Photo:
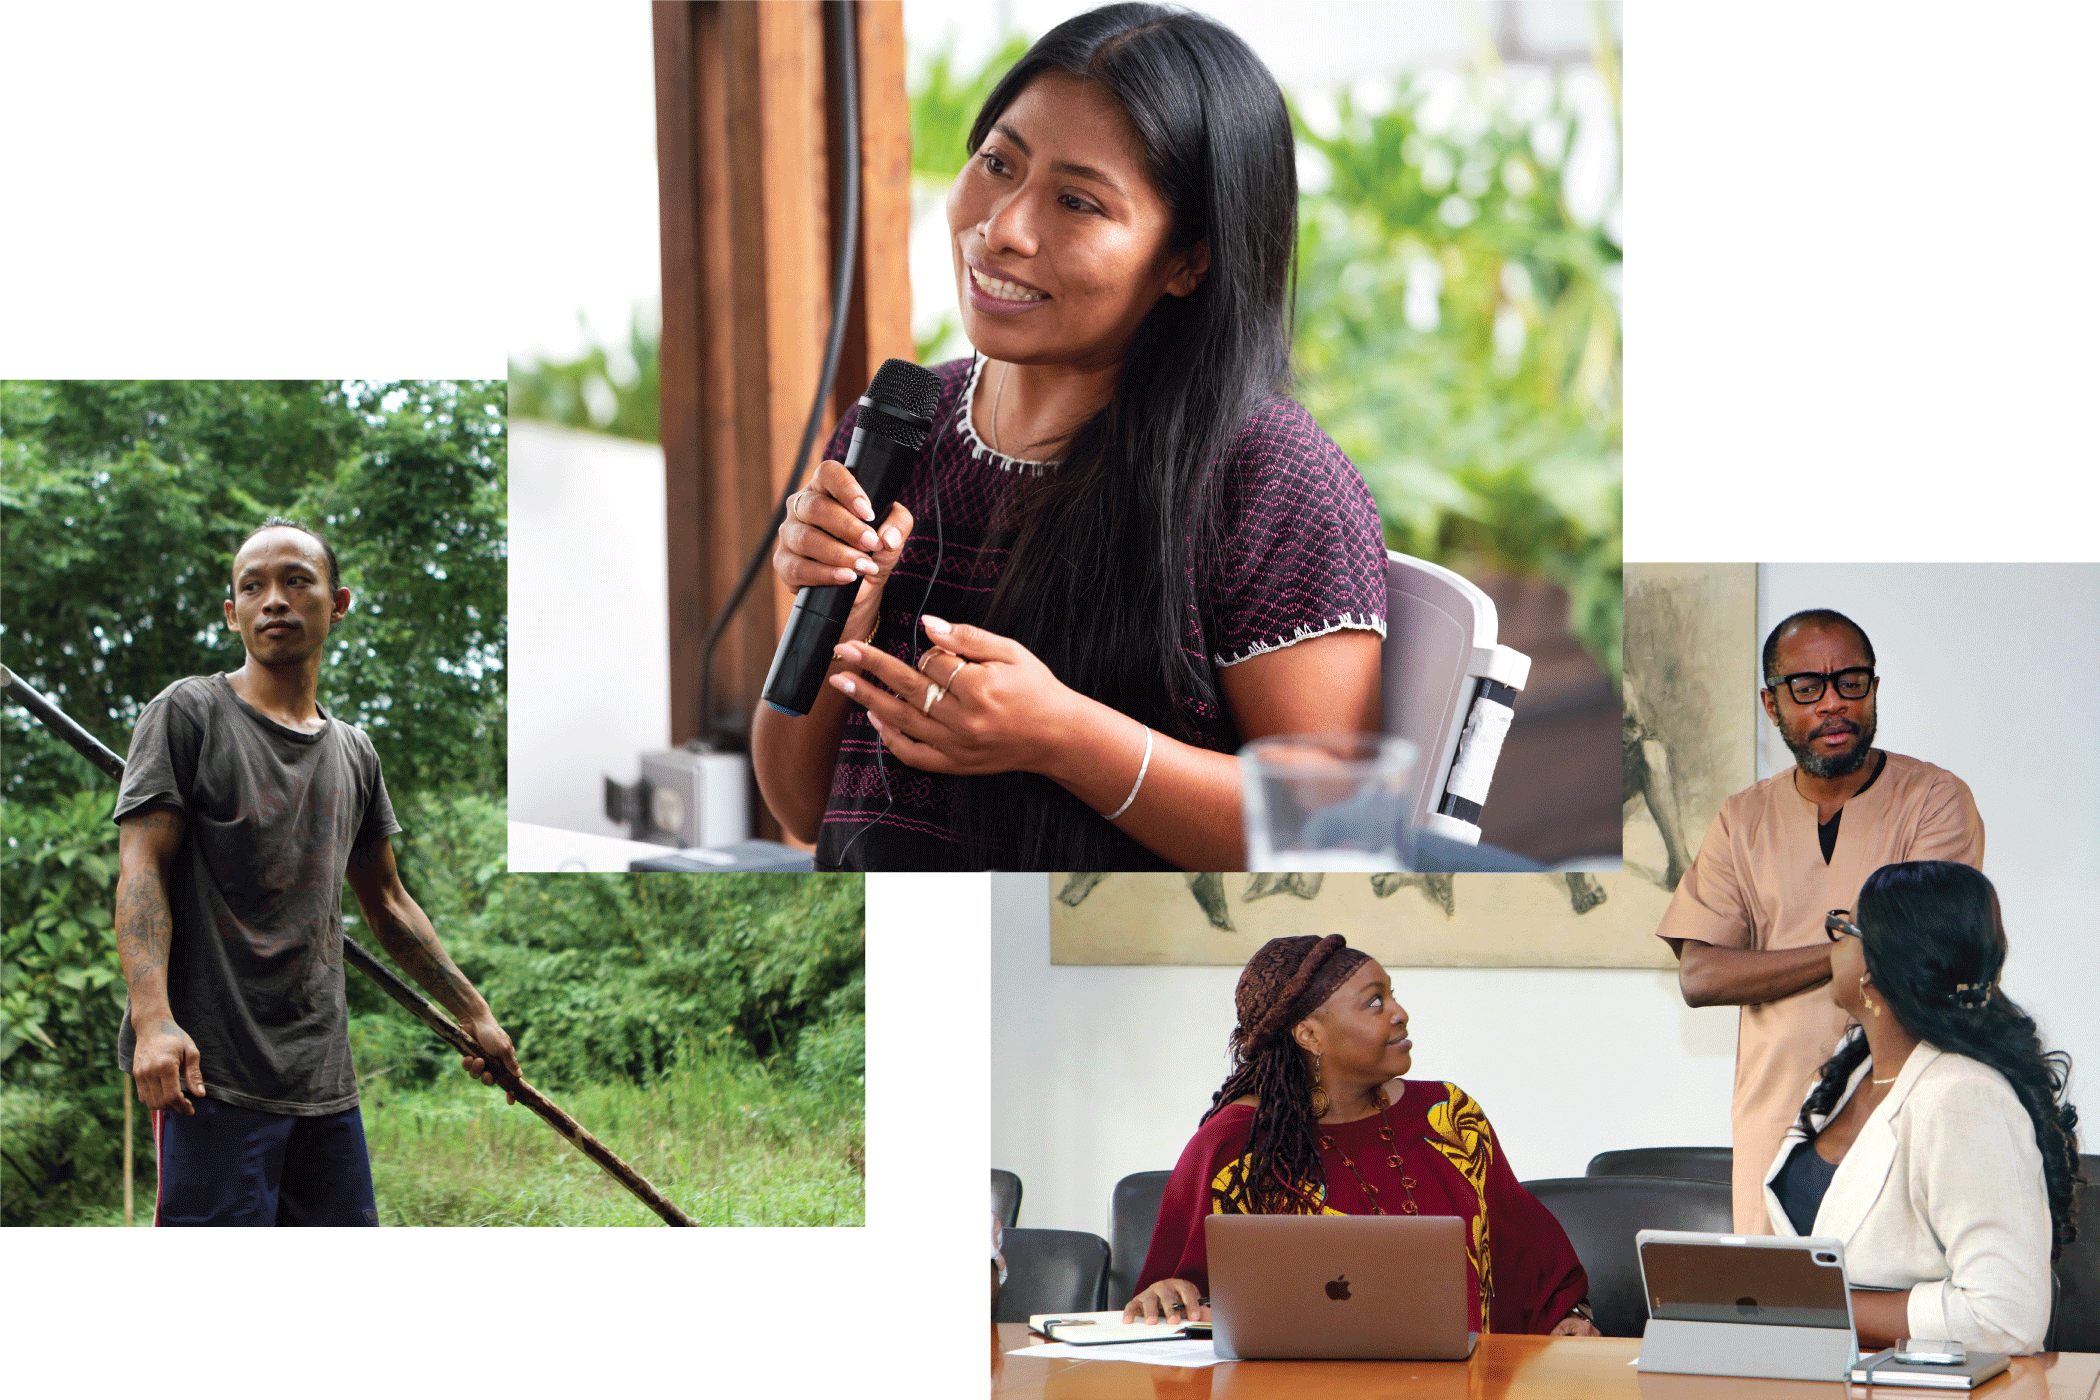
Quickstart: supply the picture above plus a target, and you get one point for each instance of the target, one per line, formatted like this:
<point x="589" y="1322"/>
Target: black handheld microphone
<point x="896" y="418"/>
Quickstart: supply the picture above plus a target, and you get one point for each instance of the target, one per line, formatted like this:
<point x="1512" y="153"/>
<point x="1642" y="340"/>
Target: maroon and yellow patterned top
<point x="1525" y="1272"/>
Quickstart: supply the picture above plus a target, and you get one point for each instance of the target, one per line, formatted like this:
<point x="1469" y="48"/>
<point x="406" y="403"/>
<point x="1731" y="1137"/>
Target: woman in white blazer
<point x="1936" y="1143"/>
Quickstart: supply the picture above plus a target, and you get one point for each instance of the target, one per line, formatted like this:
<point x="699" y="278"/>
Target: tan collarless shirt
<point x="1760" y="882"/>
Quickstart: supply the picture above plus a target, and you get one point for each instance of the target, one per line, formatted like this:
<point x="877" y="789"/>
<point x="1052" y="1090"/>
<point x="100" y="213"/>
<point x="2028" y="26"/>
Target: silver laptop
<point x="1329" y="1287"/>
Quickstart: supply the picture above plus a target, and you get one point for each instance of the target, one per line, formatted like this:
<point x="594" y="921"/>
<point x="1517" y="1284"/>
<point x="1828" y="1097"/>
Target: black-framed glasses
<point x="1806" y="687"/>
<point x="1838" y="924"/>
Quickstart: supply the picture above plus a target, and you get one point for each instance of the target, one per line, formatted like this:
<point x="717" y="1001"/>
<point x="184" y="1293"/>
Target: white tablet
<point x="1746" y="1305"/>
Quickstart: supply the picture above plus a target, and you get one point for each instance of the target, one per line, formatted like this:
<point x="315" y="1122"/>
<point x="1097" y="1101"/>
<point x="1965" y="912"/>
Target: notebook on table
<point x="1973" y="1370"/>
<point x="1336" y="1287"/>
<point x="1091" y="1329"/>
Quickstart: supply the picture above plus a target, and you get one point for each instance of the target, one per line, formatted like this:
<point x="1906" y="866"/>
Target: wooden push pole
<point x="99" y="754"/>
<point x="524" y="1093"/>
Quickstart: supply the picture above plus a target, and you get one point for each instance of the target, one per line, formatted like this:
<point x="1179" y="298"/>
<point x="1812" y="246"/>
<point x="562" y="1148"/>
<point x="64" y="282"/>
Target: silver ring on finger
<point x="933" y="697"/>
<point x="960" y="662"/>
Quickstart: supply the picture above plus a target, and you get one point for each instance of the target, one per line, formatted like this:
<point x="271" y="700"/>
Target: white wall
<point x="1102" y="1071"/>
<point x="590" y="673"/>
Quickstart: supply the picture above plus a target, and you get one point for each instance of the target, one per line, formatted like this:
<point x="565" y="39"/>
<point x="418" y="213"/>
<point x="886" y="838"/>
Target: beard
<point x="1830" y="765"/>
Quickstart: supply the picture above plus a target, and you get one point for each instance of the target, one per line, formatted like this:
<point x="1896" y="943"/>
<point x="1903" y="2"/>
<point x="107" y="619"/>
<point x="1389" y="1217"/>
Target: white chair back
<point x="1450" y="689"/>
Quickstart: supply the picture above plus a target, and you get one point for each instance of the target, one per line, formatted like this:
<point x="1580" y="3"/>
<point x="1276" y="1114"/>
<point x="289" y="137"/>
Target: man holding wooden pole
<point x="244" y="806"/>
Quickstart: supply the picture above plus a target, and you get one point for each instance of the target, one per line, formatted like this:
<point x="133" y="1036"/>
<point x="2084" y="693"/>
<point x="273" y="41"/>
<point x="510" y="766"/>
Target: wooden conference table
<point x="1502" y="1368"/>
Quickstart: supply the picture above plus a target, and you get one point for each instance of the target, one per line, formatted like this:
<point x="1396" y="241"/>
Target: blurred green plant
<point x="1458" y="336"/>
<point x="944" y="104"/>
<point x="603" y="390"/>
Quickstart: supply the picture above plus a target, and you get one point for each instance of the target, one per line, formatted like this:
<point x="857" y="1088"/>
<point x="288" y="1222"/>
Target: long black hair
<point x="1935" y="944"/>
<point x="1282" y="1156"/>
<point x="1101" y="580"/>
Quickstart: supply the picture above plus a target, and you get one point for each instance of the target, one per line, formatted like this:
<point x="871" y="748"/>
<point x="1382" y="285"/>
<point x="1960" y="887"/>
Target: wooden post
<point x="748" y="191"/>
<point x="129" y="1095"/>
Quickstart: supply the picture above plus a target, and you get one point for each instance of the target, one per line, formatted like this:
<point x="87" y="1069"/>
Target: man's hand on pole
<point x="492" y="1039"/>
<point x="164" y="1064"/>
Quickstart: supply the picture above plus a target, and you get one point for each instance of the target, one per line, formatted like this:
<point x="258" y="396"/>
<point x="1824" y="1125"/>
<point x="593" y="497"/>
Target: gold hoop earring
<point x="1319" y="1090"/>
<point x="1864" y="997"/>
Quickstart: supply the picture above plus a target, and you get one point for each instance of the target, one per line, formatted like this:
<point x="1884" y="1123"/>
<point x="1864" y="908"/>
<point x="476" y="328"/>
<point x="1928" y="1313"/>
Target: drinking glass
<point x="1328" y="802"/>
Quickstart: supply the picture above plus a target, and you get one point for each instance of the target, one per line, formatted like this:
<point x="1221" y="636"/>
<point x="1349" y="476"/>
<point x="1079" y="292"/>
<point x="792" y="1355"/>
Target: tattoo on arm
<point x="424" y="959"/>
<point x="143" y="926"/>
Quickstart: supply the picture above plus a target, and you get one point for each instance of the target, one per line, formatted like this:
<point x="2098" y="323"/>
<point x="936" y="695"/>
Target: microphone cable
<point x="842" y="13"/>
<point x="940" y="550"/>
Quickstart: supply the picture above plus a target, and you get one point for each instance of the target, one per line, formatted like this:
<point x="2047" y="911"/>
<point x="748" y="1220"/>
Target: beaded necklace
<point x="1392" y="1157"/>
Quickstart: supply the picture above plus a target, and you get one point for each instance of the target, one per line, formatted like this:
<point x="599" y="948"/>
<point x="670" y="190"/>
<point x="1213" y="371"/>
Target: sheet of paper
<point x="1183" y="1353"/>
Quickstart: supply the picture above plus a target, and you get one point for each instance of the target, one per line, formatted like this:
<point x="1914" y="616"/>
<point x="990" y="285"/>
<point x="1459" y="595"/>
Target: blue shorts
<point x="224" y="1165"/>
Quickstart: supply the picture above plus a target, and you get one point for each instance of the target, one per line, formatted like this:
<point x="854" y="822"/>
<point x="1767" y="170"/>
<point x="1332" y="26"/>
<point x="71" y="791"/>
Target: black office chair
<point x="1132" y="1212"/>
<point x="2075" y="1325"/>
<point x="1601" y="1215"/>
<point x="1006" y="1197"/>
<point x="1683" y="1163"/>
<point x="1051" y="1271"/>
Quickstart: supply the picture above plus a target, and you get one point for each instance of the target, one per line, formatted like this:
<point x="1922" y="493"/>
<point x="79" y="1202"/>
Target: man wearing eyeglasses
<point x="1747" y="920"/>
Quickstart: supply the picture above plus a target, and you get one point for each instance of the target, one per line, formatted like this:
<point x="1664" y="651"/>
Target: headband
<point x="1286" y="980"/>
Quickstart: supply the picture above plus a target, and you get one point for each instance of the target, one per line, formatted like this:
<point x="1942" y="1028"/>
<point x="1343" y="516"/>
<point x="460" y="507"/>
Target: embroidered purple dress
<point x="1304" y="556"/>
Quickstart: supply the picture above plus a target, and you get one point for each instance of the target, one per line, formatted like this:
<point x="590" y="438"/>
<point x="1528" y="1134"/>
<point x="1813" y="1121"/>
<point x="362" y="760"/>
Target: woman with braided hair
<point x="1315" y="1120"/>
<point x="1936" y="1143"/>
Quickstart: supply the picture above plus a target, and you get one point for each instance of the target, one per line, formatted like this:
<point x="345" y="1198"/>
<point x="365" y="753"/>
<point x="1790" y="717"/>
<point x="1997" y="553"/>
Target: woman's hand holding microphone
<point x="830" y="536"/>
<point x="978" y="702"/>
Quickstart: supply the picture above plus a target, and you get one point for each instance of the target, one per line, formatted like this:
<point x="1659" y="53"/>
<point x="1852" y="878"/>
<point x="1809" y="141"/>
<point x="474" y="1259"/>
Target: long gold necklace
<point x="1392" y="1157"/>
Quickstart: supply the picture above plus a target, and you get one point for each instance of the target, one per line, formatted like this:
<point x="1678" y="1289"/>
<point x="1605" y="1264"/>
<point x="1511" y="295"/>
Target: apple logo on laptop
<point x="1339" y="1289"/>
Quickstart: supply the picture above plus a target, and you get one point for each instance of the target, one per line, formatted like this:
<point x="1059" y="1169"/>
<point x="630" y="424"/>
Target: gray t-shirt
<point x="270" y="817"/>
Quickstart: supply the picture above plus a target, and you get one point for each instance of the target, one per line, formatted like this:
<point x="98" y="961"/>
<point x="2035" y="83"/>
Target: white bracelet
<point x="1140" y="779"/>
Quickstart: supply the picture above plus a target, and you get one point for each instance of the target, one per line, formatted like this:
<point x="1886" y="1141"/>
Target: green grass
<point x="727" y="1142"/>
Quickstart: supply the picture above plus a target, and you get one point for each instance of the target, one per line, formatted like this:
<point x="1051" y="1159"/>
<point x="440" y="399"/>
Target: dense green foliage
<point x="121" y="505"/>
<point x="61" y="994"/>
<point x="639" y="980"/>
<point x="614" y="977"/>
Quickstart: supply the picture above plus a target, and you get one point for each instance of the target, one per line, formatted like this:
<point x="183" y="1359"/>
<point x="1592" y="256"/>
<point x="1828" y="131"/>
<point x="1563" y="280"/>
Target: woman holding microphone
<point x="1123" y="553"/>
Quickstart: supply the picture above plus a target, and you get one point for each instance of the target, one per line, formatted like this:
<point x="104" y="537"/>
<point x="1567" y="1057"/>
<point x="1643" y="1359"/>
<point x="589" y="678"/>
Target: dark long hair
<point x="1283" y="1143"/>
<point x="1101" y="581"/>
<point x="1935" y="944"/>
